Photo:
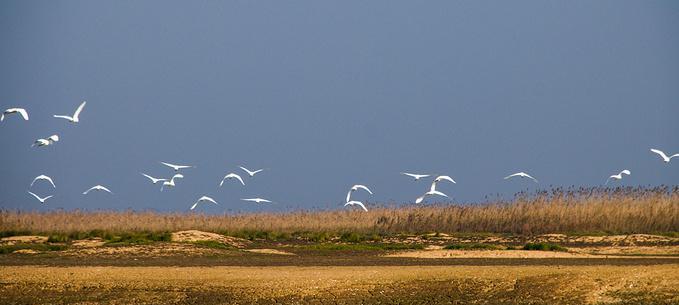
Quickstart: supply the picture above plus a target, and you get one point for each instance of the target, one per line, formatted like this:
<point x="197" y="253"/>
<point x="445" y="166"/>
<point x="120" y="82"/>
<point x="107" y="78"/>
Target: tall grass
<point x="620" y="210"/>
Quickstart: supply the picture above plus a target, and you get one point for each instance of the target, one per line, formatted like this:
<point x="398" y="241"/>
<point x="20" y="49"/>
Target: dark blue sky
<point x="328" y="94"/>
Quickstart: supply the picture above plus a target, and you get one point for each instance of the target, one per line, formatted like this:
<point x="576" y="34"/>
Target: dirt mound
<point x="195" y="235"/>
<point x="270" y="251"/>
<point x="26" y="251"/>
<point x="88" y="243"/>
<point x="27" y="239"/>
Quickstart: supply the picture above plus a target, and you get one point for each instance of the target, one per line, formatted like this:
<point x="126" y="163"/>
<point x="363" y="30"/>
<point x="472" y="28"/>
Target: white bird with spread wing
<point x="171" y="182"/>
<point x="522" y="175"/>
<point x="432" y="190"/>
<point x="618" y="176"/>
<point x="257" y="200"/>
<point x="358" y="203"/>
<point x="175" y="166"/>
<point x="662" y="155"/>
<point x="356" y="188"/>
<point x="42" y="200"/>
<point x="203" y="199"/>
<point x="416" y="176"/>
<point x="76" y="116"/>
<point x="9" y="111"/>
<point x="232" y="176"/>
<point x="43" y="177"/>
<point x="46" y="142"/>
<point x="153" y="180"/>
<point x="97" y="187"/>
<point x="249" y="172"/>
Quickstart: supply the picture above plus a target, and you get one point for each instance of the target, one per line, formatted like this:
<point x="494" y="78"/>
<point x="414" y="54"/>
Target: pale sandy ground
<point x="316" y="285"/>
<point x="584" y="253"/>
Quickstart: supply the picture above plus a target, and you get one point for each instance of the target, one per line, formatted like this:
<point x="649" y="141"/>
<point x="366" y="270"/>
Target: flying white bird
<point x="176" y="167"/>
<point x="251" y="173"/>
<point x="618" y="176"/>
<point x="76" y="115"/>
<point x="43" y="177"/>
<point x="358" y="203"/>
<point x="522" y="175"/>
<point x="663" y="155"/>
<point x="257" y="200"/>
<point x="430" y="193"/>
<point x="416" y="176"/>
<point x="153" y="180"/>
<point x="202" y="199"/>
<point x="42" y="200"/>
<point x="441" y="178"/>
<point x="21" y="111"/>
<point x="355" y="188"/>
<point x="171" y="182"/>
<point x="232" y="176"/>
<point x="97" y="188"/>
<point x="45" y="142"/>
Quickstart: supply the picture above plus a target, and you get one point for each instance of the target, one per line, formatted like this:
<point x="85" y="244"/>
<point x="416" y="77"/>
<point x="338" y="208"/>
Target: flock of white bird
<point x="171" y="182"/>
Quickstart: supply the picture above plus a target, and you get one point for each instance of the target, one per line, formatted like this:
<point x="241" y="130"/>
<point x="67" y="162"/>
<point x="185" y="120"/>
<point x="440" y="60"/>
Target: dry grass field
<point x="585" y="246"/>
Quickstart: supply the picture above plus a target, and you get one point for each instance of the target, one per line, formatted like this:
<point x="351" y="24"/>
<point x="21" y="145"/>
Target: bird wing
<point x="257" y="171"/>
<point x="23" y="113"/>
<point x="439" y="193"/>
<point x="626" y="172"/>
<point x="447" y="178"/>
<point x="194" y="205"/>
<point x="236" y="176"/>
<point x="349" y="195"/>
<point x="247" y="171"/>
<point x="147" y="176"/>
<point x="170" y="165"/>
<point x="48" y="197"/>
<point x="88" y="190"/>
<point x="53" y="138"/>
<point x="512" y="175"/>
<point x="50" y="180"/>
<point x="63" y="117"/>
<point x="103" y="188"/>
<point x="264" y="200"/>
<point x="36" y="196"/>
<point x="675" y="155"/>
<point x="420" y="199"/>
<point x="360" y="186"/>
<point x="531" y="177"/>
<point x="77" y="111"/>
<point x="249" y="199"/>
<point x="659" y="152"/>
<point x="363" y="206"/>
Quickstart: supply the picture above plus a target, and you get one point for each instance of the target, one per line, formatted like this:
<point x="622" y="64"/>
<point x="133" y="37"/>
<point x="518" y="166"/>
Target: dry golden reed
<point x="620" y="210"/>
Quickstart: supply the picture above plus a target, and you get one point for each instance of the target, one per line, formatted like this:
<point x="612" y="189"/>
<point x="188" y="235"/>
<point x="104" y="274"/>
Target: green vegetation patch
<point x="37" y="247"/>
<point x="472" y="246"/>
<point x="544" y="247"/>
<point x="136" y="238"/>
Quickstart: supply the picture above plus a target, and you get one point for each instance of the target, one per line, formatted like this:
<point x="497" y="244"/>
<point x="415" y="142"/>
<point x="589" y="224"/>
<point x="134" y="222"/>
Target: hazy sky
<point x="328" y="94"/>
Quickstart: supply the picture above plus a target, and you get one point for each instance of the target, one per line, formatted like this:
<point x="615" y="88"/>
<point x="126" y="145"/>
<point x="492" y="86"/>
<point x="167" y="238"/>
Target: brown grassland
<point x="566" y="246"/>
<point x="584" y="210"/>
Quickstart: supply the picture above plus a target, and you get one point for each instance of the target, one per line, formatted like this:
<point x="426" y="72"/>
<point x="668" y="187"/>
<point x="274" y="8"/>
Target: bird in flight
<point x="42" y="200"/>
<point x="356" y="188"/>
<point x="45" y="142"/>
<point x="232" y="176"/>
<point x="153" y="180"/>
<point x="171" y="182"/>
<point x="416" y="176"/>
<point x="97" y="188"/>
<point x="176" y="167"/>
<point x="21" y="111"/>
<point x="76" y="115"/>
<point x="358" y="203"/>
<point x="431" y="192"/>
<point x="43" y="177"/>
<point x="251" y="173"/>
<point x="663" y="155"/>
<point x="257" y="200"/>
<point x="618" y="176"/>
<point x="522" y="175"/>
<point x="203" y="199"/>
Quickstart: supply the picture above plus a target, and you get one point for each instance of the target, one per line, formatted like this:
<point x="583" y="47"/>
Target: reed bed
<point x="572" y="210"/>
